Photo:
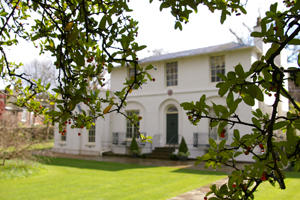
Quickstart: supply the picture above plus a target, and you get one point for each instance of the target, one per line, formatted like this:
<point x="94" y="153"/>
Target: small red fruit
<point x="261" y="146"/>
<point x="270" y="95"/>
<point x="248" y="148"/>
<point x="62" y="133"/>
<point x="234" y="185"/>
<point x="40" y="106"/>
<point x="262" y="150"/>
<point x="275" y="95"/>
<point x="81" y="127"/>
<point x="263" y="177"/>
<point x="190" y="117"/>
<point x="140" y="117"/>
<point x="79" y="134"/>
<point x="153" y="79"/>
<point x="246" y="152"/>
<point x="69" y="122"/>
<point x="65" y="130"/>
<point x="205" y="198"/>
<point x="271" y="88"/>
<point x="223" y="131"/>
<point x="222" y="135"/>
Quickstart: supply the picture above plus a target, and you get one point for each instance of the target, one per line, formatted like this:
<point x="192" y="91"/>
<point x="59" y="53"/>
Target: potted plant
<point x="134" y="149"/>
<point x="183" y="150"/>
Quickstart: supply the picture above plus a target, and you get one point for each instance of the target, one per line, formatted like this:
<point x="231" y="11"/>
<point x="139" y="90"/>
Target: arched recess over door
<point x="172" y="125"/>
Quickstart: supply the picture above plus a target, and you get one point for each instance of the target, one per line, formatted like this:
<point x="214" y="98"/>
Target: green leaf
<point x="222" y="143"/>
<point x="257" y="34"/>
<point x="149" y="67"/>
<point x="248" y="99"/>
<point x="187" y="106"/>
<point x="224" y="88"/>
<point x="163" y="5"/>
<point x="102" y="23"/>
<point x="229" y="99"/>
<point x="294" y="42"/>
<point x="234" y="105"/>
<point x="280" y="125"/>
<point x="178" y="25"/>
<point x="213" y="143"/>
<point x="239" y="71"/>
<point x="236" y="134"/>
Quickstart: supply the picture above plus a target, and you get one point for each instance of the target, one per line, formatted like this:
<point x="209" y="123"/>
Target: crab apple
<point x="79" y="134"/>
<point x="153" y="79"/>
<point x="248" y="148"/>
<point x="81" y="126"/>
<point x="262" y="150"/>
<point x="223" y="131"/>
<point x="222" y="135"/>
<point x="205" y="198"/>
<point x="263" y="177"/>
<point x="63" y="133"/>
<point x="34" y="115"/>
<point x="190" y="117"/>
<point x="65" y="130"/>
<point x="40" y="106"/>
<point x="270" y="95"/>
<point x="261" y="146"/>
<point x="69" y="122"/>
<point x="271" y="88"/>
<point x="234" y="185"/>
<point x="140" y="117"/>
<point x="246" y="152"/>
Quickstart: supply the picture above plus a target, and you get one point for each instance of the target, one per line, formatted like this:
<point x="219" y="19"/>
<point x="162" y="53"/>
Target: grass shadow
<point x="202" y="172"/>
<point x="90" y="164"/>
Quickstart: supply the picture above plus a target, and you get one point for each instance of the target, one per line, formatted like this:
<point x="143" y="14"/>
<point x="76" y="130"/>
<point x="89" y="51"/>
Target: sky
<point x="156" y="29"/>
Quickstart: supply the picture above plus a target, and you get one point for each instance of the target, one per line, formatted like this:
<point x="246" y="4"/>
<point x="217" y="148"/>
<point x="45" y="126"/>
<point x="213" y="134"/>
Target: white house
<point x="180" y="77"/>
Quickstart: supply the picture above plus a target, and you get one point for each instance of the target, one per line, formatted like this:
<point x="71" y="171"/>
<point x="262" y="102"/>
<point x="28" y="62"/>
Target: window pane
<point x="171" y="73"/>
<point x="217" y="66"/>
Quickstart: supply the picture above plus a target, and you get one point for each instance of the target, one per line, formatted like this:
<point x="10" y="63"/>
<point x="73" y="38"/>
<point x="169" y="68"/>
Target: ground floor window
<point x="92" y="131"/>
<point x="131" y="130"/>
<point x="213" y="131"/>
<point x="63" y="135"/>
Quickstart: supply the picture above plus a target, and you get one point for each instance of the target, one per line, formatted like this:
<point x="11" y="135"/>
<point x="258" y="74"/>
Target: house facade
<point x="179" y="77"/>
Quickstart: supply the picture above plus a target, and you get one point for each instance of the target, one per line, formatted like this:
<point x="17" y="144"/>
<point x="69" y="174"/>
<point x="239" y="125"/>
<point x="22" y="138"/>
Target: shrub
<point x="183" y="147"/>
<point x="134" y="148"/>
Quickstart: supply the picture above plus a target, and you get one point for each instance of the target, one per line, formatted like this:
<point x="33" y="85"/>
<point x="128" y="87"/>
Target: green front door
<point x="172" y="128"/>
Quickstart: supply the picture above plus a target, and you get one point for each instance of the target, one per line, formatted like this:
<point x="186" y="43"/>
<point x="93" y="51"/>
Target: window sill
<point x="90" y="145"/>
<point x="62" y="143"/>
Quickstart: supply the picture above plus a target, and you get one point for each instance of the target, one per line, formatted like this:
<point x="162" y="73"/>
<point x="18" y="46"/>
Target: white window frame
<point x="130" y="128"/>
<point x="171" y="74"/>
<point x="217" y="65"/>
<point x="24" y="115"/>
<point x="92" y="131"/>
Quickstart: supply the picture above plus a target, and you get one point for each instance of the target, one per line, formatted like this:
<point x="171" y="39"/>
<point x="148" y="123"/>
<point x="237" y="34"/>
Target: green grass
<point x="14" y="169"/>
<point x="267" y="191"/>
<point x="37" y="146"/>
<point x="79" y="179"/>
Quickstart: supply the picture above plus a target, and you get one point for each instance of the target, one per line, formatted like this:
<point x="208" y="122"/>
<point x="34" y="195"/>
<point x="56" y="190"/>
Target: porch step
<point x="161" y="152"/>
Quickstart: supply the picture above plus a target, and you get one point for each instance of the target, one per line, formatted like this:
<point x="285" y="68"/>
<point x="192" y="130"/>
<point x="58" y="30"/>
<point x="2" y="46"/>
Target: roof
<point x="193" y="52"/>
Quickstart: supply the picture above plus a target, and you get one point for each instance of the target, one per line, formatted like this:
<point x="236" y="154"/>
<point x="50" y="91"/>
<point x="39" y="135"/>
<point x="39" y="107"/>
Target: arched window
<point x="172" y="109"/>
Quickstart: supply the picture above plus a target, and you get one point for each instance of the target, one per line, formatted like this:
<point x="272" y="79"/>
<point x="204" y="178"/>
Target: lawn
<point x="267" y="191"/>
<point x="80" y="179"/>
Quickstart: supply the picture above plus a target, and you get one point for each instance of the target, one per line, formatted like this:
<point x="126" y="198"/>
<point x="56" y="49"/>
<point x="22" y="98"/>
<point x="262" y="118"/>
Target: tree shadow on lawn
<point x="90" y="164"/>
<point x="112" y="166"/>
<point x="202" y="172"/>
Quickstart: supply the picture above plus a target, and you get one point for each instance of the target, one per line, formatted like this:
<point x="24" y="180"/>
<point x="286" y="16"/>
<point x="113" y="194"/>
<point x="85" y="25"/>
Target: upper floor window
<point x="171" y="74"/>
<point x="217" y="65"/>
<point x="131" y="74"/>
<point x="131" y="130"/>
<point x="92" y="131"/>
